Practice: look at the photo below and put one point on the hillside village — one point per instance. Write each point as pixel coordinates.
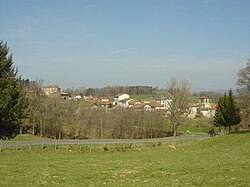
(203, 107)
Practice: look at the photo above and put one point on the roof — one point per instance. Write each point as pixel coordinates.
(139, 106)
(121, 94)
(64, 94)
(124, 100)
(203, 97)
(51, 86)
(104, 103)
(154, 105)
(132, 102)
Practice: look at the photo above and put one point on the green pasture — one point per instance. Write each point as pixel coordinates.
(220, 161)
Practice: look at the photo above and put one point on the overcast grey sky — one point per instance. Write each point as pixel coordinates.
(94, 43)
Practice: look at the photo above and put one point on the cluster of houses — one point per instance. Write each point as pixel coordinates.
(203, 107)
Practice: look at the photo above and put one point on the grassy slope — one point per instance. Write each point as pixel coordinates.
(220, 161)
(27, 137)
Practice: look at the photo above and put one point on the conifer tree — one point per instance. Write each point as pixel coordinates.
(227, 113)
(219, 118)
(233, 111)
(13, 103)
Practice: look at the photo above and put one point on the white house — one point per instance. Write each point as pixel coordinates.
(50, 89)
(192, 110)
(204, 102)
(122, 100)
(164, 101)
(204, 107)
(121, 97)
(77, 97)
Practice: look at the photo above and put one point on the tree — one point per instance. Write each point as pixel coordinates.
(90, 92)
(36, 97)
(13, 103)
(179, 93)
(219, 117)
(227, 113)
(233, 111)
(244, 94)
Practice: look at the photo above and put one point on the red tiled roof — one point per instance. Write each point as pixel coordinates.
(51, 86)
(139, 106)
(132, 102)
(104, 103)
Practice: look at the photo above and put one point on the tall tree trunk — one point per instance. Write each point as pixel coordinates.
(174, 129)
(33, 125)
(41, 128)
(174, 132)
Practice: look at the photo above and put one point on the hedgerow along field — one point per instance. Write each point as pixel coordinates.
(220, 161)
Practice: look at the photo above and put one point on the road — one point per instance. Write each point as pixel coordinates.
(99, 141)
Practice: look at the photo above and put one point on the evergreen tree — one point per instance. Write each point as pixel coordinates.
(227, 113)
(233, 111)
(219, 118)
(13, 103)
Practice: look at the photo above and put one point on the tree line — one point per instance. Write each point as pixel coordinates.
(53, 117)
(112, 91)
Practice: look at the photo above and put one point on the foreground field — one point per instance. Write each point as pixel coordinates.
(220, 161)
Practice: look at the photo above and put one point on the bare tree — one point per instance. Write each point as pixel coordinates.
(179, 92)
(36, 97)
(244, 93)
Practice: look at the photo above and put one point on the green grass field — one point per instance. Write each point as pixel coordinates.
(219, 161)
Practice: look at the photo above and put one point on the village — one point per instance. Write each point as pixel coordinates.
(123, 100)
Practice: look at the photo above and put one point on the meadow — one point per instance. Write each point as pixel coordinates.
(219, 161)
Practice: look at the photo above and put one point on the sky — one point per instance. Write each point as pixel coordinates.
(95, 43)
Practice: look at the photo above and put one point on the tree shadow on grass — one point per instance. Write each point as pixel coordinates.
(241, 132)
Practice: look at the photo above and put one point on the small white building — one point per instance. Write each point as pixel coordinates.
(204, 101)
(77, 97)
(51, 89)
(164, 101)
(122, 100)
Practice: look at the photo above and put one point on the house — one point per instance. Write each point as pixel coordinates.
(121, 97)
(208, 111)
(65, 96)
(192, 110)
(164, 100)
(51, 89)
(77, 97)
(122, 100)
(90, 98)
(140, 106)
(204, 107)
(157, 106)
(204, 101)
(103, 103)
(148, 106)
(133, 102)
